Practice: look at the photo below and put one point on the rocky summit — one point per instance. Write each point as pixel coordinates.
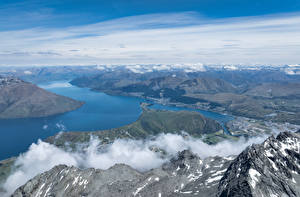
(186, 174)
(268, 169)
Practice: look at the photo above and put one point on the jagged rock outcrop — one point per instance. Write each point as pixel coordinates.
(268, 169)
(20, 99)
(184, 175)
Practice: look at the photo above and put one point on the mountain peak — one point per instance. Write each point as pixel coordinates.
(268, 169)
(271, 168)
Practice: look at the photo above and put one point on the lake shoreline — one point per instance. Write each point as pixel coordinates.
(101, 111)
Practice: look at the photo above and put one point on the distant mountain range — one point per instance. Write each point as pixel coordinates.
(263, 94)
(47, 74)
(20, 99)
(268, 169)
(266, 94)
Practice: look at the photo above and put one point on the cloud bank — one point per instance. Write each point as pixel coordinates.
(158, 38)
(43, 156)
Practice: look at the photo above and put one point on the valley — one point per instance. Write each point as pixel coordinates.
(139, 98)
(274, 97)
(191, 107)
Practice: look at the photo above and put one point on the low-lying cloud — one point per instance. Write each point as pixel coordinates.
(43, 156)
(55, 85)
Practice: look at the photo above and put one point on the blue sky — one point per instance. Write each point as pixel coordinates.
(18, 14)
(57, 32)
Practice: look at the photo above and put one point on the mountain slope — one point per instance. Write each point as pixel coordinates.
(168, 85)
(206, 85)
(19, 99)
(276, 90)
(267, 94)
(268, 169)
(185, 175)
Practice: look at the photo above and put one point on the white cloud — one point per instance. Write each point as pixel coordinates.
(27, 72)
(159, 38)
(56, 85)
(43, 156)
(40, 157)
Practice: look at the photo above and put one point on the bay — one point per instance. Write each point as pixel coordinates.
(100, 111)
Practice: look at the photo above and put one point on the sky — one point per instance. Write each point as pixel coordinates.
(77, 32)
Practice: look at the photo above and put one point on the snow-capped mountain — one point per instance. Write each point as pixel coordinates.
(268, 169)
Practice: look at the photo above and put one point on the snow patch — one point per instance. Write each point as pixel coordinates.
(210, 180)
(254, 175)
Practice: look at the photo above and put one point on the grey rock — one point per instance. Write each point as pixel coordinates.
(184, 175)
(269, 169)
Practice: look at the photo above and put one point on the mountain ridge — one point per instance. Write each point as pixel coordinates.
(20, 99)
(186, 175)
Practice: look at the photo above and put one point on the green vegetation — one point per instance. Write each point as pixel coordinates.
(150, 123)
(5, 169)
(262, 95)
(214, 138)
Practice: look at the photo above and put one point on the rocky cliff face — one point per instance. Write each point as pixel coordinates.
(19, 99)
(185, 174)
(269, 169)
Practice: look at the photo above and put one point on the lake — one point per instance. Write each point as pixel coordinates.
(100, 111)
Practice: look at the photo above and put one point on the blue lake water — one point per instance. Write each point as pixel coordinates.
(100, 111)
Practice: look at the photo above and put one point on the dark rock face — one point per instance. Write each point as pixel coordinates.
(19, 99)
(269, 169)
(185, 175)
(4, 81)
